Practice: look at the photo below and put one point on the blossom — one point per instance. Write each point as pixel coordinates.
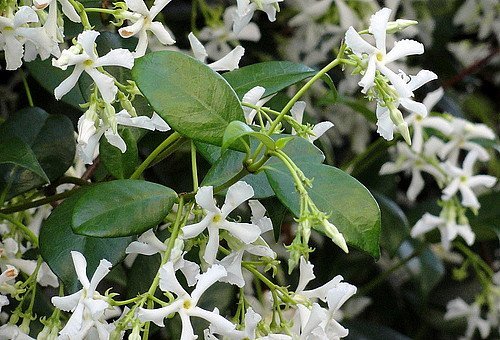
(18, 40)
(51, 25)
(246, 9)
(458, 308)
(254, 97)
(142, 21)
(465, 181)
(84, 58)
(227, 63)
(10, 331)
(185, 304)
(86, 305)
(297, 112)
(378, 58)
(448, 227)
(216, 218)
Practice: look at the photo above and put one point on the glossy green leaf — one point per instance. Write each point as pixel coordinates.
(19, 168)
(395, 225)
(57, 240)
(51, 138)
(351, 207)
(274, 76)
(231, 162)
(236, 130)
(121, 208)
(120, 165)
(192, 98)
(333, 93)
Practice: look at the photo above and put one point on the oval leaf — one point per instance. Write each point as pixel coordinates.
(351, 207)
(274, 76)
(57, 240)
(121, 208)
(192, 98)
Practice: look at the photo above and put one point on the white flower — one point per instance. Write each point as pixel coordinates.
(464, 180)
(378, 59)
(246, 9)
(218, 37)
(84, 58)
(142, 21)
(254, 97)
(89, 135)
(227, 63)
(297, 112)
(185, 304)
(458, 308)
(461, 138)
(447, 225)
(13, 332)
(51, 23)
(216, 218)
(15, 35)
(385, 121)
(87, 305)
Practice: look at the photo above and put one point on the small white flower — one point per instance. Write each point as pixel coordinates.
(464, 180)
(87, 306)
(254, 97)
(297, 112)
(84, 58)
(185, 304)
(216, 218)
(51, 24)
(13, 332)
(246, 9)
(378, 59)
(142, 22)
(458, 308)
(227, 63)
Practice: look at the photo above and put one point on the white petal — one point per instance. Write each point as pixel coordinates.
(258, 216)
(481, 180)
(451, 189)
(467, 234)
(357, 44)
(67, 303)
(102, 270)
(14, 52)
(398, 83)
(338, 296)
(158, 5)
(87, 40)
(219, 323)
(433, 98)
(438, 123)
(414, 106)
(384, 123)
(378, 27)
(105, 84)
(116, 140)
(159, 123)
(24, 15)
(193, 230)
(469, 199)
(245, 232)
(232, 264)
(197, 47)
(416, 185)
(422, 77)
(80, 264)
(142, 44)
(161, 33)
(131, 30)
(404, 48)
(319, 129)
(158, 315)
(306, 274)
(368, 79)
(68, 83)
(168, 280)
(95, 307)
(117, 57)
(137, 6)
(205, 198)
(191, 270)
(212, 247)
(236, 195)
(205, 280)
(425, 224)
(250, 32)
(143, 122)
(70, 11)
(230, 61)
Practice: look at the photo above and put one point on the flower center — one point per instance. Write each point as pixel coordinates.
(88, 63)
(463, 179)
(8, 28)
(380, 56)
(186, 304)
(217, 218)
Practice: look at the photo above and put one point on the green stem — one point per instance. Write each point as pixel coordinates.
(194, 167)
(27, 89)
(474, 258)
(33, 238)
(37, 203)
(80, 9)
(72, 180)
(144, 165)
(100, 10)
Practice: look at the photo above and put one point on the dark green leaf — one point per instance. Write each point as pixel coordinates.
(121, 208)
(120, 165)
(395, 226)
(236, 130)
(487, 222)
(351, 207)
(333, 94)
(362, 330)
(274, 76)
(192, 98)
(57, 240)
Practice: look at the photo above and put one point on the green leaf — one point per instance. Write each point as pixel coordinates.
(121, 208)
(51, 138)
(487, 222)
(236, 130)
(19, 168)
(359, 329)
(351, 207)
(274, 76)
(120, 165)
(395, 225)
(57, 240)
(333, 94)
(192, 98)
(231, 162)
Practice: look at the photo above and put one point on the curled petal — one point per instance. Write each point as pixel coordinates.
(117, 57)
(230, 61)
(207, 279)
(199, 50)
(161, 33)
(378, 27)
(404, 48)
(105, 84)
(205, 198)
(87, 40)
(357, 44)
(245, 232)
(236, 195)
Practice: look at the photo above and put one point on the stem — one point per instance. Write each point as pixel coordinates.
(83, 15)
(72, 180)
(37, 203)
(194, 167)
(474, 258)
(144, 165)
(33, 238)
(27, 89)
(100, 10)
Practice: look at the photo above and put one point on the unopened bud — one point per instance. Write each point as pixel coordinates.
(399, 25)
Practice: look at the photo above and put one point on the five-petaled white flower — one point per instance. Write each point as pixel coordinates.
(246, 9)
(297, 112)
(378, 59)
(142, 21)
(216, 218)
(185, 304)
(458, 308)
(463, 180)
(254, 97)
(87, 305)
(51, 24)
(84, 57)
